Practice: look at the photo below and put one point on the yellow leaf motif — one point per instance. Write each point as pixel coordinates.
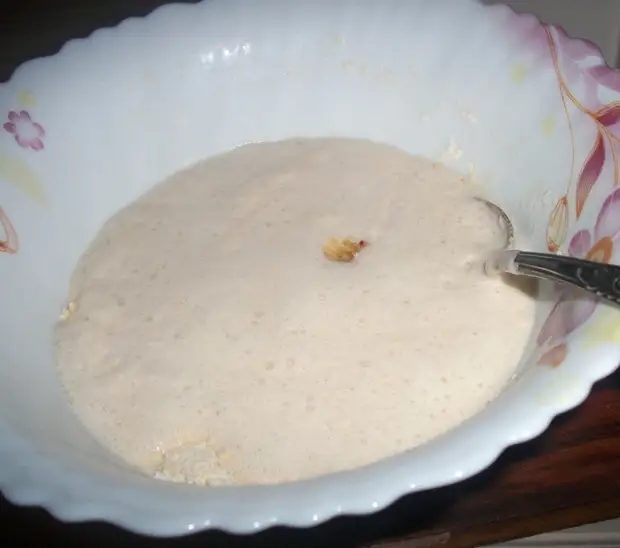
(17, 172)
(605, 328)
(26, 98)
(518, 72)
(548, 126)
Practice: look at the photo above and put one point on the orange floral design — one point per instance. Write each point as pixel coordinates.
(557, 228)
(9, 243)
(607, 120)
(555, 356)
(572, 309)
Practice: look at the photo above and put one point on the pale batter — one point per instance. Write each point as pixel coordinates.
(211, 340)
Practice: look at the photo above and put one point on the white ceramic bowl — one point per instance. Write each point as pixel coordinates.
(535, 114)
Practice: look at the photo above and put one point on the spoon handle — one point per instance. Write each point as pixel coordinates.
(601, 279)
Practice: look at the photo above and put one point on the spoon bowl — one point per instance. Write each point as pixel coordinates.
(599, 279)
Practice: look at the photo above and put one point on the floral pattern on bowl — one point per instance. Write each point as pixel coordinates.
(9, 243)
(601, 242)
(566, 54)
(27, 132)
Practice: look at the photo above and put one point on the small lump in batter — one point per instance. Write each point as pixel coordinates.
(343, 250)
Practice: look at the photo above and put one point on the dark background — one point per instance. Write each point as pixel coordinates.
(538, 486)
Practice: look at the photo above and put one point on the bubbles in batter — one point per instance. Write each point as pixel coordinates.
(211, 331)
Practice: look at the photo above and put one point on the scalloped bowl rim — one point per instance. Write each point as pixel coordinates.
(70, 509)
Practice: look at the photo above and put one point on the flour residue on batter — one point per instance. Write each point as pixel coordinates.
(212, 341)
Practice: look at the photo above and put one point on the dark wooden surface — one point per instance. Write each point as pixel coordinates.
(567, 477)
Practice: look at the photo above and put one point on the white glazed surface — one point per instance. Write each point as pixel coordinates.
(111, 115)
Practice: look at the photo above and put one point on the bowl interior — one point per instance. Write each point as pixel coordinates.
(515, 104)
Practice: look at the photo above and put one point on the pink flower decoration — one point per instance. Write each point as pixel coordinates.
(28, 134)
(571, 311)
(602, 244)
(599, 244)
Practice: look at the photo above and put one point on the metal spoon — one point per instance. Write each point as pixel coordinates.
(600, 279)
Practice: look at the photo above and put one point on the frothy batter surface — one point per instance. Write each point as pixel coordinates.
(213, 342)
